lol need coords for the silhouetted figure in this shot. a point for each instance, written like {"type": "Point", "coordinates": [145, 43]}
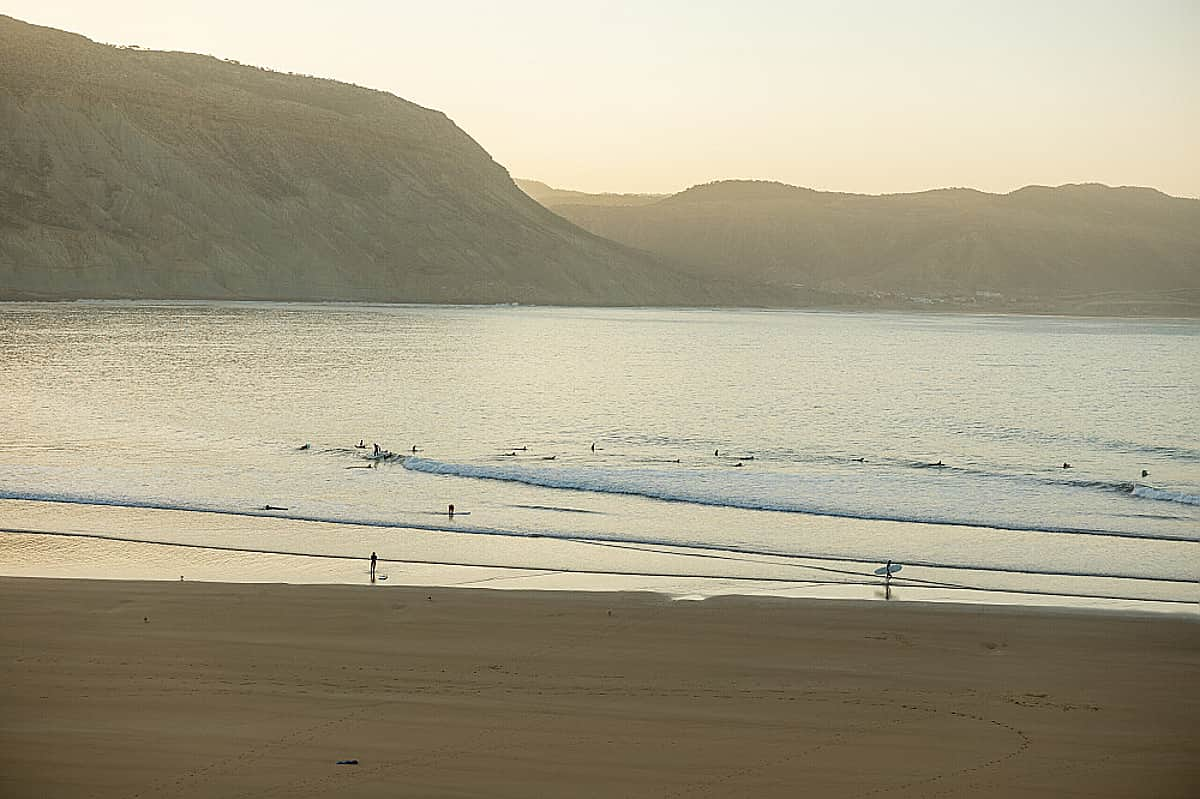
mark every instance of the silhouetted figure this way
{"type": "Point", "coordinates": [716, 453]}
{"type": "Point", "coordinates": [374, 560]}
{"type": "Point", "coordinates": [361, 444]}
{"type": "Point", "coordinates": [739, 463]}
{"type": "Point", "coordinates": [1066, 465]}
{"type": "Point", "coordinates": [1145, 473]}
{"type": "Point", "coordinates": [414, 449]}
{"type": "Point", "coordinates": [549, 457]}
{"type": "Point", "coordinates": [450, 511]}
{"type": "Point", "coordinates": [593, 446]}
{"type": "Point", "coordinates": [376, 451]}
{"type": "Point", "coordinates": [304, 446]}
{"type": "Point", "coordinates": [859, 460]}
{"type": "Point", "coordinates": [887, 582]}
{"type": "Point", "coordinates": [939, 463]}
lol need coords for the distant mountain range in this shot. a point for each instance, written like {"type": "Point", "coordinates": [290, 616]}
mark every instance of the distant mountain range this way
{"type": "Point", "coordinates": [142, 174]}
{"type": "Point", "coordinates": [128, 173]}
{"type": "Point", "coordinates": [1081, 248]}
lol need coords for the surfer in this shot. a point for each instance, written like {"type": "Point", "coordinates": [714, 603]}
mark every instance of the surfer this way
{"type": "Point", "coordinates": [859, 460]}
{"type": "Point", "coordinates": [716, 453]}
{"type": "Point", "coordinates": [1066, 465]}
{"type": "Point", "coordinates": [414, 449]}
{"type": "Point", "coordinates": [593, 446]}
{"type": "Point", "coordinates": [377, 450]}
{"type": "Point", "coordinates": [273, 507]}
{"type": "Point", "coordinates": [739, 463]}
{"type": "Point", "coordinates": [304, 446]}
{"type": "Point", "coordinates": [549, 457]}
{"type": "Point", "coordinates": [361, 444]}
{"type": "Point", "coordinates": [374, 560]}
{"type": "Point", "coordinates": [450, 511]}
{"type": "Point", "coordinates": [1145, 473]}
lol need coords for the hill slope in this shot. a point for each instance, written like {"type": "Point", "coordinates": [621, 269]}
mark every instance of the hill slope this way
{"type": "Point", "coordinates": [130, 173]}
{"type": "Point", "coordinates": [551, 197]}
{"type": "Point", "coordinates": [1085, 248]}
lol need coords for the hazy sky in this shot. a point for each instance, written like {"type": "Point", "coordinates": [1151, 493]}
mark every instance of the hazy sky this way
{"type": "Point", "coordinates": [658, 95]}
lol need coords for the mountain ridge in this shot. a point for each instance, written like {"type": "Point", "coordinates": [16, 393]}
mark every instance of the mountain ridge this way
{"type": "Point", "coordinates": [1036, 248]}
{"type": "Point", "coordinates": [130, 173]}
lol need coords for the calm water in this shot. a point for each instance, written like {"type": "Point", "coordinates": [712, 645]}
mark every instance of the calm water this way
{"type": "Point", "coordinates": [727, 444]}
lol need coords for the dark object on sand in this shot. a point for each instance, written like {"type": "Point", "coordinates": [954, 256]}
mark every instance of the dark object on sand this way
{"type": "Point", "coordinates": [273, 507]}
{"type": "Point", "coordinates": [347, 762]}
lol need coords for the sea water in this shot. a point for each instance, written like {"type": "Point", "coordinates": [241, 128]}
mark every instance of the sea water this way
{"type": "Point", "coordinates": [795, 453]}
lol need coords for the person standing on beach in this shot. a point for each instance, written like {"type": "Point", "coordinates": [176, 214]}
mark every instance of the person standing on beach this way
{"type": "Point", "coordinates": [374, 560]}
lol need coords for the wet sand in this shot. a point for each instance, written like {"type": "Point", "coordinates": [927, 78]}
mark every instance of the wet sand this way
{"type": "Point", "coordinates": [203, 689]}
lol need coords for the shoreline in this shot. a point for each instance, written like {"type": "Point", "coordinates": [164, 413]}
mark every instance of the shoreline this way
{"type": "Point", "coordinates": [41, 554]}
{"type": "Point", "coordinates": [113, 688]}
{"type": "Point", "coordinates": [915, 310]}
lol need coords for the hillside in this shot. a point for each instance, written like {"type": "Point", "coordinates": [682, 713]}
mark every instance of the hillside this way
{"type": "Point", "coordinates": [551, 197]}
{"type": "Point", "coordinates": [142, 174]}
{"type": "Point", "coordinates": [1076, 248]}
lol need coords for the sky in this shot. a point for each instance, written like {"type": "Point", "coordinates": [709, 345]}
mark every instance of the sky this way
{"type": "Point", "coordinates": [655, 96]}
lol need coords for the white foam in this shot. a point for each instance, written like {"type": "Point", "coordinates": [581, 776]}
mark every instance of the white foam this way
{"type": "Point", "coordinates": [1146, 492]}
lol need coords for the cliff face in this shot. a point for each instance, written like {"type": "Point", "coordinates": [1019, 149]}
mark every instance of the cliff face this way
{"type": "Point", "coordinates": [130, 173]}
{"type": "Point", "coordinates": [1074, 248]}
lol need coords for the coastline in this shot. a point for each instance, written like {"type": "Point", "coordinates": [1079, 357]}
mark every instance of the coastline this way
{"type": "Point", "coordinates": [115, 688]}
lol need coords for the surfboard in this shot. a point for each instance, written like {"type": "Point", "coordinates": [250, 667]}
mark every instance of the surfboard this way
{"type": "Point", "coordinates": [885, 570]}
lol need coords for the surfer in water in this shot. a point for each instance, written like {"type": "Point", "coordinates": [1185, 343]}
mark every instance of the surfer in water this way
{"type": "Point", "coordinates": [374, 560]}
{"type": "Point", "coordinates": [593, 446]}
{"type": "Point", "coordinates": [1066, 465]}
{"type": "Point", "coordinates": [1145, 473]}
{"type": "Point", "coordinates": [361, 444]}
{"type": "Point", "coordinates": [450, 511]}
{"type": "Point", "coordinates": [414, 449]}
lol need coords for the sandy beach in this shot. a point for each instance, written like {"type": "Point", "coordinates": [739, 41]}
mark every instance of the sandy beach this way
{"type": "Point", "coordinates": [201, 689]}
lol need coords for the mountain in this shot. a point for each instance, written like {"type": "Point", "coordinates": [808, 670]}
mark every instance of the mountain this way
{"type": "Point", "coordinates": [1076, 248]}
{"type": "Point", "coordinates": [142, 174]}
{"type": "Point", "coordinates": [551, 197]}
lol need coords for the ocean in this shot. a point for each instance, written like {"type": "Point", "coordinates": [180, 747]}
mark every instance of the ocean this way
{"type": "Point", "coordinates": [1014, 459]}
